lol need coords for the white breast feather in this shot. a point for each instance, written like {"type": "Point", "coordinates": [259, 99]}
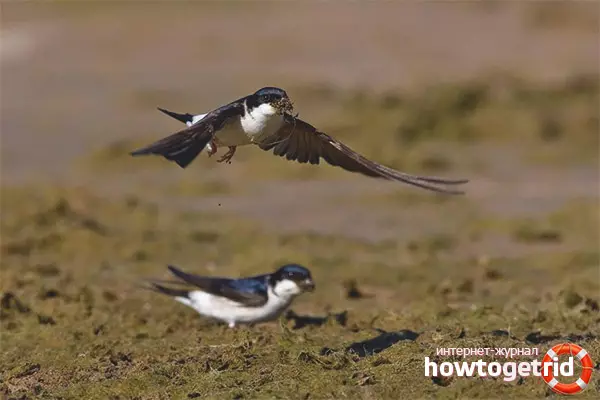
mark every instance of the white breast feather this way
{"type": "Point", "coordinates": [262, 122]}
{"type": "Point", "coordinates": [232, 134]}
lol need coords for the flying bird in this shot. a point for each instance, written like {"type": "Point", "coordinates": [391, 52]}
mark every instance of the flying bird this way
{"type": "Point", "coordinates": [254, 299]}
{"type": "Point", "coordinates": [265, 119]}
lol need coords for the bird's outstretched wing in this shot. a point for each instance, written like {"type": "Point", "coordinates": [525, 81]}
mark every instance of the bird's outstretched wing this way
{"type": "Point", "coordinates": [298, 140]}
{"type": "Point", "coordinates": [251, 292]}
{"type": "Point", "coordinates": [184, 146]}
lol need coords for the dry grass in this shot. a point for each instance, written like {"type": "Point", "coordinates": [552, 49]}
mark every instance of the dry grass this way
{"type": "Point", "coordinates": [74, 323]}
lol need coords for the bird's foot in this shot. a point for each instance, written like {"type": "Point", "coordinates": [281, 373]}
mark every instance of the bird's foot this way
{"type": "Point", "coordinates": [212, 148]}
{"type": "Point", "coordinates": [228, 156]}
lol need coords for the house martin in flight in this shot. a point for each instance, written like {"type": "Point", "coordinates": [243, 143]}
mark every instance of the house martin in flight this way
{"type": "Point", "coordinates": [265, 119]}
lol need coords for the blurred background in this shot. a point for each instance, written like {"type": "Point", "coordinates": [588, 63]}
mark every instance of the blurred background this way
{"type": "Point", "coordinates": [502, 93]}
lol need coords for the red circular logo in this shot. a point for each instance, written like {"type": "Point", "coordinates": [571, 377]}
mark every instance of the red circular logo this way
{"type": "Point", "coordinates": [586, 372]}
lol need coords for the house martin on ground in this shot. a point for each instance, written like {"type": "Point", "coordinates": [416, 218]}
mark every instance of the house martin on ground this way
{"type": "Point", "coordinates": [265, 119]}
{"type": "Point", "coordinates": [239, 301]}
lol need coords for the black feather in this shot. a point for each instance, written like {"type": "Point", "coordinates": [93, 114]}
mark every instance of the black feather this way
{"type": "Point", "coordinates": [180, 117]}
{"type": "Point", "coordinates": [169, 291]}
{"type": "Point", "coordinates": [251, 292]}
{"type": "Point", "coordinates": [298, 140]}
{"type": "Point", "coordinates": [182, 147]}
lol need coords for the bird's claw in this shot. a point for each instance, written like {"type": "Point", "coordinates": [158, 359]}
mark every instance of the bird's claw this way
{"type": "Point", "coordinates": [227, 156]}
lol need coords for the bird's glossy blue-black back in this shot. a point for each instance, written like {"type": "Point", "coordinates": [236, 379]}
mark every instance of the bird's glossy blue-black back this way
{"type": "Point", "coordinates": [256, 284]}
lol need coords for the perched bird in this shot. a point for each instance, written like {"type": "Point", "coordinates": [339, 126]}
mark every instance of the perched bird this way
{"type": "Point", "coordinates": [264, 118]}
{"type": "Point", "coordinates": [240, 301]}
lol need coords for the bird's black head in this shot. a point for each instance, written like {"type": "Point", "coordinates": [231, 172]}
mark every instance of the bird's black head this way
{"type": "Point", "coordinates": [295, 273]}
{"type": "Point", "coordinates": [276, 97]}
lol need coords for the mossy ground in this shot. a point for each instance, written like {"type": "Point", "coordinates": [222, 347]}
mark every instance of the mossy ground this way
{"type": "Point", "coordinates": [514, 263]}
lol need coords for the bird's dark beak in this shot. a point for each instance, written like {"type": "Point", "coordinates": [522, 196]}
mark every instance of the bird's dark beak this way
{"type": "Point", "coordinates": [307, 285]}
{"type": "Point", "coordinates": [284, 105]}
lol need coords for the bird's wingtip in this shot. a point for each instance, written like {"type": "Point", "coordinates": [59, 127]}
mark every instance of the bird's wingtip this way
{"type": "Point", "coordinates": [137, 152]}
{"type": "Point", "coordinates": [185, 118]}
{"type": "Point", "coordinates": [158, 288]}
{"type": "Point", "coordinates": [174, 269]}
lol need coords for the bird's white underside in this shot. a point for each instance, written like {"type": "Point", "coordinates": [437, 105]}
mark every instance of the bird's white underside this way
{"type": "Point", "coordinates": [234, 313]}
{"type": "Point", "coordinates": [195, 119]}
{"type": "Point", "coordinates": [258, 124]}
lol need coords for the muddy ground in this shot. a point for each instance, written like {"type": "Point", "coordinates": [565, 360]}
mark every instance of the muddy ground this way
{"type": "Point", "coordinates": [505, 95]}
